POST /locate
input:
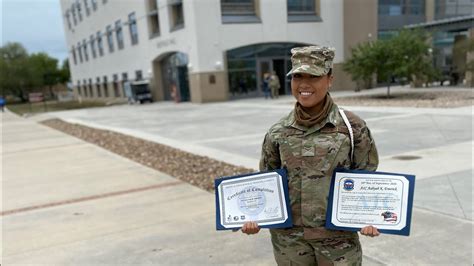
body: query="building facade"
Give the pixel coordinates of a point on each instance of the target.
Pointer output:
(204, 50)
(393, 15)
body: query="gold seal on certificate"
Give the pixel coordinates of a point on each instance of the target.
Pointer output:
(258, 197)
(360, 198)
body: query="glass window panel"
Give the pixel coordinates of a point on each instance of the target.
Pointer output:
(301, 6)
(110, 39)
(238, 7)
(119, 34)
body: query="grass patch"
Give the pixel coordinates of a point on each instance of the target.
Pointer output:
(33, 108)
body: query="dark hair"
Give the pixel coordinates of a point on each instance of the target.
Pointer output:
(330, 72)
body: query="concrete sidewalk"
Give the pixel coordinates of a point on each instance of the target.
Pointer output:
(67, 202)
(439, 140)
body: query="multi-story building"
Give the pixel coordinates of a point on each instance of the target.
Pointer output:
(206, 50)
(450, 21)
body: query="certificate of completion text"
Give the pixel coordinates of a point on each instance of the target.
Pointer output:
(258, 197)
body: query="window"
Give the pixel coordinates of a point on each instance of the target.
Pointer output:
(177, 16)
(416, 7)
(100, 44)
(79, 50)
(94, 5)
(84, 85)
(239, 11)
(153, 19)
(92, 41)
(74, 58)
(86, 93)
(110, 38)
(79, 87)
(97, 85)
(124, 79)
(302, 10)
(390, 7)
(68, 18)
(116, 86)
(86, 7)
(90, 86)
(73, 11)
(237, 7)
(79, 11)
(301, 7)
(119, 34)
(132, 22)
(453, 8)
(401, 7)
(84, 46)
(138, 75)
(106, 87)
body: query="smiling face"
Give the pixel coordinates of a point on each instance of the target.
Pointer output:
(310, 90)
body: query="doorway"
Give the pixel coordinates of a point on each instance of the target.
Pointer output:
(268, 65)
(175, 77)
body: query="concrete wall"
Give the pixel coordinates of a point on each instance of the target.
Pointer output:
(215, 37)
(356, 30)
(205, 39)
(203, 90)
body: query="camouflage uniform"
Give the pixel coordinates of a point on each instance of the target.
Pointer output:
(310, 156)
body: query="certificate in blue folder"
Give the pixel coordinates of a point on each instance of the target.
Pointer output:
(360, 198)
(258, 197)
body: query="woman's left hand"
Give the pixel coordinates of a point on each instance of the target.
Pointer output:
(370, 231)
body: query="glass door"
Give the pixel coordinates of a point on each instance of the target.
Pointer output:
(264, 66)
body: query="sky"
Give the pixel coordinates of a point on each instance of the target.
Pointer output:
(37, 24)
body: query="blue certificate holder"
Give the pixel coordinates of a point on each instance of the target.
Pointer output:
(358, 198)
(259, 197)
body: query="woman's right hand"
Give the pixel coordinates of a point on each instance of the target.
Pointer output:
(250, 228)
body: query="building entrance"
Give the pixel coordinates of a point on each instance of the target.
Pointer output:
(247, 65)
(174, 73)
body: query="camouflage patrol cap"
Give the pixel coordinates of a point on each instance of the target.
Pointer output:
(313, 60)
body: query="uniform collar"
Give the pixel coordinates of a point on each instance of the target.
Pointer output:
(332, 119)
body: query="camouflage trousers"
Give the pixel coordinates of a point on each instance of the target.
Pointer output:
(293, 249)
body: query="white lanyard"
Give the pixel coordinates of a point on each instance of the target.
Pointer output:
(351, 133)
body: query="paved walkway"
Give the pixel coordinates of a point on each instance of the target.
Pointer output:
(67, 202)
(441, 139)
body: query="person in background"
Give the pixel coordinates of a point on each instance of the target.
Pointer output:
(265, 87)
(274, 84)
(2, 103)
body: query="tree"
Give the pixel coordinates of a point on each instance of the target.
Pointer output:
(21, 73)
(43, 71)
(362, 65)
(14, 74)
(64, 73)
(405, 56)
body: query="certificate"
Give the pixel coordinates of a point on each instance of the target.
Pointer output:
(259, 197)
(361, 198)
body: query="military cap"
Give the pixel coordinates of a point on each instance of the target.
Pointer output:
(313, 60)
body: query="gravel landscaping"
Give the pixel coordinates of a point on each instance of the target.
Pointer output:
(431, 99)
(201, 171)
(194, 169)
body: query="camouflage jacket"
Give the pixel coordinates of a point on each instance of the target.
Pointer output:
(310, 156)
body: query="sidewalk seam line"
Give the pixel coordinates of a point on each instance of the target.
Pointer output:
(88, 198)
